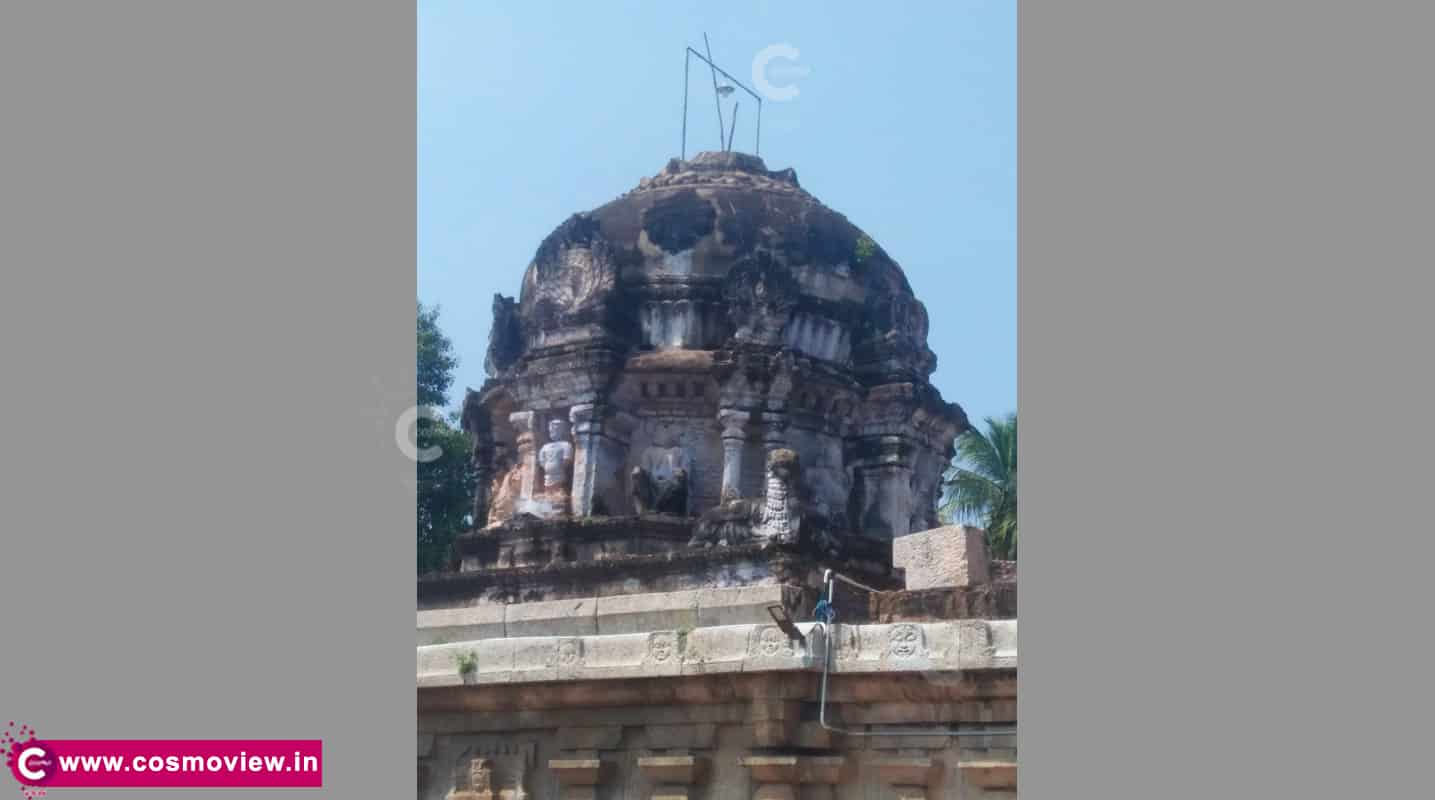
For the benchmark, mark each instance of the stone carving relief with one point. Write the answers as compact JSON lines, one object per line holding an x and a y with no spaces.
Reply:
{"x":493,"y":771}
{"x":662,"y":647}
{"x":481,"y":775}
{"x":569,"y":653}
{"x":572,"y":275}
{"x":761,"y":296}
{"x":556,"y":459}
{"x":553,"y":480}
{"x":905,"y":640}
{"x":505,"y":338}
{"x":776,"y":517}
{"x":507,"y":486}
{"x":660,"y":481}
{"x":780,"y":515}
{"x":769,"y":642}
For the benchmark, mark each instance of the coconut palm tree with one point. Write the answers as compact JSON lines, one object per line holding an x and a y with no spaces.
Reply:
{"x":979,"y":488}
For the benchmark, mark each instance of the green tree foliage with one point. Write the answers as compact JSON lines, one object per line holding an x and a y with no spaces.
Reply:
{"x":445,"y":483}
{"x":980,"y":486}
{"x":436,"y":360}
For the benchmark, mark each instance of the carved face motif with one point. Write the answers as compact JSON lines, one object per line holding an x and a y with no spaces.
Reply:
{"x":772,"y":642}
{"x":906,"y":640}
{"x":480,"y":772}
{"x":557,"y":430}
{"x":661,"y":648}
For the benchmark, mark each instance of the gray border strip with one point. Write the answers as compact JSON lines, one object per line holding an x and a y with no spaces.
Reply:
{"x":1224,"y":385}
{"x":207,"y":327}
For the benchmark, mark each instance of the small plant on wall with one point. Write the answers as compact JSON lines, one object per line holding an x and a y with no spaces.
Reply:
{"x":467,"y":663}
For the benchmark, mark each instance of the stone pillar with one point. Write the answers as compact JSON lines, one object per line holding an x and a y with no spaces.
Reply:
{"x":578,"y":776}
{"x":911,"y":778}
{"x":673,"y":776}
{"x":779,"y":777}
{"x":484,"y":454}
{"x":885,"y":472}
{"x":734,"y":437}
{"x":894,"y":483}
{"x":523,"y":428}
{"x":587,"y":422}
{"x":992,"y":776}
{"x":774,"y":431}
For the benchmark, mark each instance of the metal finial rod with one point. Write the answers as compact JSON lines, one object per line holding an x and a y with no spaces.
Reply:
{"x":733,"y":127}
{"x":687,"y":59}
{"x":691,"y":53}
{"x":717,"y":99}
{"x":757,"y":149}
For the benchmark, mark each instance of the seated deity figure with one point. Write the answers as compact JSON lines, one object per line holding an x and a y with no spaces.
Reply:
{"x":555,"y":459}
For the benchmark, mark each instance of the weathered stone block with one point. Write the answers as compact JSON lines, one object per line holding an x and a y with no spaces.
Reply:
{"x":577,"y":617}
{"x":739,"y":605}
{"x":989,"y":774}
{"x":577,"y":771}
{"x":955,"y":555}
{"x":683,"y":769}
{"x":683,"y":737}
{"x":639,"y":613}
{"x":606,"y":737}
{"x":445,"y":625}
{"x":772,"y":769}
{"x":439,"y":665}
{"x":719,"y":649}
{"x":907,"y":771}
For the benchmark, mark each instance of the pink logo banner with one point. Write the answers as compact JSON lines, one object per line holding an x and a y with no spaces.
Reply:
{"x":167,"y":763}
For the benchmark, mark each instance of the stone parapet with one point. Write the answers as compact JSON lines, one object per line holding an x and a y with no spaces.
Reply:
{"x":633,"y":613}
{"x":896,"y":648}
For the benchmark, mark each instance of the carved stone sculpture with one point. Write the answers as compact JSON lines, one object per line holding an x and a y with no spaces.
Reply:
{"x":481,"y":775}
{"x":476,"y":783}
{"x":507,"y":486}
{"x":571,"y":277}
{"x":780,"y":515}
{"x":660,"y":495}
{"x":556,"y":459}
{"x":660,"y":482}
{"x":760,"y":297}
{"x":505,"y":338}
{"x":776,"y":517}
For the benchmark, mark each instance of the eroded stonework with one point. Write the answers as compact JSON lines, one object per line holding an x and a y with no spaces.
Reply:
{"x":666,"y":347}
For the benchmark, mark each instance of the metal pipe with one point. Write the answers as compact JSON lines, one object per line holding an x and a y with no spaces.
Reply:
{"x":830,"y":578}
{"x":717,"y":100}
{"x":687,"y":59}
{"x":733,"y":125}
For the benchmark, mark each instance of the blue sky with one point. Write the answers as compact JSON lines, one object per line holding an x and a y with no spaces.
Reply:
{"x":904,"y":121}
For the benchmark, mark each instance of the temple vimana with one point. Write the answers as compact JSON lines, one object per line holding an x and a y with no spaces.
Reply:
{"x":706,"y":561}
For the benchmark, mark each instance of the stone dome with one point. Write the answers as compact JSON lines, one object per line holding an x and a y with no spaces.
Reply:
{"x":699,"y":251}
{"x":713,"y":359}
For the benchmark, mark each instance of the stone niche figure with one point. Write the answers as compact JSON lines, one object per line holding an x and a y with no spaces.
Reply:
{"x":507,"y":485}
{"x":775,"y":517}
{"x":660,"y":483}
{"x":653,"y":495}
{"x":477,"y":784}
{"x":555,"y":459}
